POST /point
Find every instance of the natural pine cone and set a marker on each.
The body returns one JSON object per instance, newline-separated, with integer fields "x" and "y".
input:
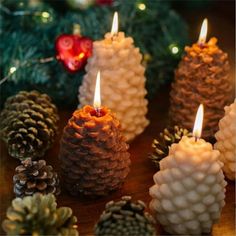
{"x": 202, "y": 77}
{"x": 93, "y": 153}
{"x": 35, "y": 176}
{"x": 39, "y": 215}
{"x": 125, "y": 217}
{"x": 28, "y": 124}
{"x": 226, "y": 141}
{"x": 162, "y": 144}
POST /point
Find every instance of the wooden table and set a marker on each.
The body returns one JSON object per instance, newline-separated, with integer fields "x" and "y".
{"x": 140, "y": 177}
{"x": 137, "y": 184}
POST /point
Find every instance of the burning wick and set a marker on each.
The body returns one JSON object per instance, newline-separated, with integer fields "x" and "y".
{"x": 197, "y": 129}
{"x": 97, "y": 96}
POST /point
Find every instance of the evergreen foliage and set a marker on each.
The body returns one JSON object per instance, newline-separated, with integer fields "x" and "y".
{"x": 29, "y": 37}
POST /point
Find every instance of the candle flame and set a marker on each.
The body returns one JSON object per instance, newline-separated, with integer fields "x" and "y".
{"x": 203, "y": 32}
{"x": 97, "y": 94}
{"x": 197, "y": 129}
{"x": 114, "y": 28}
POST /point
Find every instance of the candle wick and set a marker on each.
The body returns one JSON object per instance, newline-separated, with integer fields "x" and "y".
{"x": 98, "y": 111}
{"x": 195, "y": 138}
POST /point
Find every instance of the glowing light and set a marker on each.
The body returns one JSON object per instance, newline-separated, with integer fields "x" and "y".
{"x": 141, "y": 6}
{"x": 203, "y": 32}
{"x": 114, "y": 28}
{"x": 97, "y": 94}
{"x": 12, "y": 70}
{"x": 45, "y": 14}
{"x": 197, "y": 129}
{"x": 175, "y": 50}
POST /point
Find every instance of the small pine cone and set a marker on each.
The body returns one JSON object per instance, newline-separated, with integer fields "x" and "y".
{"x": 93, "y": 153}
{"x": 39, "y": 215}
{"x": 162, "y": 144}
{"x": 201, "y": 77}
{"x": 125, "y": 217}
{"x": 28, "y": 124}
{"x": 35, "y": 176}
{"x": 226, "y": 141}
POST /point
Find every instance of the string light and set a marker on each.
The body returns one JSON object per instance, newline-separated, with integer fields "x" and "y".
{"x": 141, "y": 6}
{"x": 45, "y": 17}
{"x": 174, "y": 49}
{"x": 12, "y": 70}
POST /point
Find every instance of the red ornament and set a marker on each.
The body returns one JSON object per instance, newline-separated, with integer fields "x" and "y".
{"x": 104, "y": 2}
{"x": 73, "y": 51}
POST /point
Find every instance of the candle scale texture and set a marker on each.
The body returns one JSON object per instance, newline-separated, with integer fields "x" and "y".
{"x": 202, "y": 77}
{"x": 93, "y": 153}
{"x": 189, "y": 189}
{"x": 226, "y": 141}
{"x": 122, "y": 83}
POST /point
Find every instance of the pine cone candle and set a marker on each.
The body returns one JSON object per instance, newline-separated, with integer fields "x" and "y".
{"x": 162, "y": 144}
{"x": 35, "y": 176}
{"x": 93, "y": 153}
{"x": 28, "y": 124}
{"x": 39, "y": 215}
{"x": 123, "y": 83}
{"x": 226, "y": 141}
{"x": 189, "y": 189}
{"x": 202, "y": 77}
{"x": 125, "y": 217}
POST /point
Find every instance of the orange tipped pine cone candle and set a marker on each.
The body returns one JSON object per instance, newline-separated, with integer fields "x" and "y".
{"x": 93, "y": 153}
{"x": 123, "y": 84}
{"x": 202, "y": 77}
{"x": 189, "y": 190}
{"x": 226, "y": 141}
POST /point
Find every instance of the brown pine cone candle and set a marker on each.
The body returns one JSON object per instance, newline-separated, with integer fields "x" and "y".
{"x": 202, "y": 77}
{"x": 35, "y": 177}
{"x": 93, "y": 153}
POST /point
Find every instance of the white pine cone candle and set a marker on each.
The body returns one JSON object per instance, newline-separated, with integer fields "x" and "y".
{"x": 189, "y": 189}
{"x": 226, "y": 141}
{"x": 123, "y": 82}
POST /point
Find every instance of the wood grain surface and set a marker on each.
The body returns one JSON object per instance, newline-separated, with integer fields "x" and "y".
{"x": 140, "y": 177}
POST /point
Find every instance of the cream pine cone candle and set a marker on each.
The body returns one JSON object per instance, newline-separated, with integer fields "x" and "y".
{"x": 123, "y": 83}
{"x": 226, "y": 141}
{"x": 189, "y": 189}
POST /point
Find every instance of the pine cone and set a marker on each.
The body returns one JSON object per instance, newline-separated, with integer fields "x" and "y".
{"x": 202, "y": 77}
{"x": 35, "y": 176}
{"x": 93, "y": 153}
{"x": 28, "y": 124}
{"x": 39, "y": 215}
{"x": 125, "y": 218}
{"x": 162, "y": 144}
{"x": 226, "y": 141}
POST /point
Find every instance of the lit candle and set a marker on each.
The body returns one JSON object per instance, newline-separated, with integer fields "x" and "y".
{"x": 123, "y": 83}
{"x": 189, "y": 190}
{"x": 202, "y": 76}
{"x": 93, "y": 152}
